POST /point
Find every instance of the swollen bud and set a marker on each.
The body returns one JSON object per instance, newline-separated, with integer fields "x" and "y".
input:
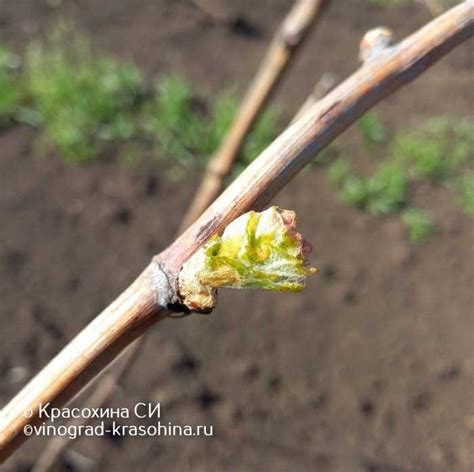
{"x": 257, "y": 250}
{"x": 374, "y": 42}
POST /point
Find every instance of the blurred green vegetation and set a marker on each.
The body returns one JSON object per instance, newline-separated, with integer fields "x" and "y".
{"x": 86, "y": 104}
{"x": 82, "y": 101}
{"x": 175, "y": 120}
{"x": 188, "y": 128}
{"x": 466, "y": 187}
{"x": 439, "y": 151}
{"x": 380, "y": 194}
{"x": 436, "y": 149}
{"x": 372, "y": 129}
{"x": 419, "y": 225}
{"x": 11, "y": 90}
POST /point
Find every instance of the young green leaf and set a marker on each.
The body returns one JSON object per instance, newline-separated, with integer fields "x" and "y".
{"x": 257, "y": 250}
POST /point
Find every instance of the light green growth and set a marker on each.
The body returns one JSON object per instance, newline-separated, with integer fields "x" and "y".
{"x": 179, "y": 128}
{"x": 386, "y": 189}
{"x": 81, "y": 100}
{"x": 268, "y": 254}
{"x": 257, "y": 250}
{"x": 188, "y": 131}
{"x": 11, "y": 93}
{"x": 372, "y": 129}
{"x": 466, "y": 187}
{"x": 338, "y": 172}
{"x": 418, "y": 224}
{"x": 462, "y": 132}
{"x": 382, "y": 193}
{"x": 435, "y": 150}
{"x": 86, "y": 103}
{"x": 223, "y": 112}
{"x": 355, "y": 190}
{"x": 440, "y": 150}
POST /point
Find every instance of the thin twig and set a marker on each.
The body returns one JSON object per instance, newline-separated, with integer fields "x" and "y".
{"x": 322, "y": 88}
{"x": 108, "y": 384}
{"x": 262, "y": 86}
{"x": 153, "y": 295}
{"x": 287, "y": 39}
{"x": 292, "y": 150}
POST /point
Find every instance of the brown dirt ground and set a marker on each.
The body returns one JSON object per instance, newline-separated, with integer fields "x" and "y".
{"x": 370, "y": 369}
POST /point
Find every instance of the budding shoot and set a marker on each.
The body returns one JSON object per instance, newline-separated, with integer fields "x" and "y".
{"x": 257, "y": 250}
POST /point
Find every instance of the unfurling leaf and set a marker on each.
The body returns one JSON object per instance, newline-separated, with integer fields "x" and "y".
{"x": 257, "y": 250}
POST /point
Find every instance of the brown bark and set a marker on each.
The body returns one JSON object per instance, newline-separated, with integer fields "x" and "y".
{"x": 147, "y": 299}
